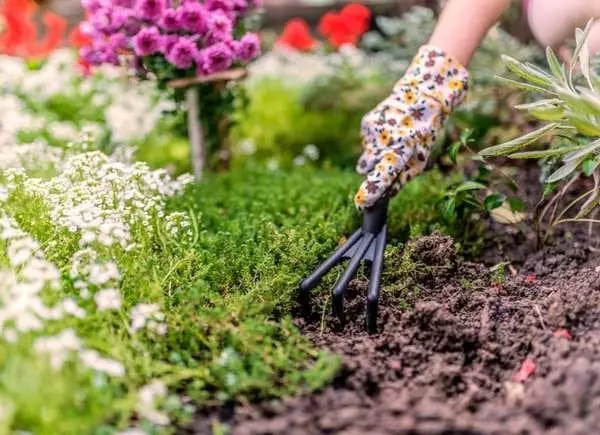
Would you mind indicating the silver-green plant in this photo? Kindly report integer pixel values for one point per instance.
(567, 102)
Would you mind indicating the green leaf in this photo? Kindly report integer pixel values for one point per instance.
(587, 207)
(545, 153)
(470, 185)
(564, 171)
(528, 72)
(555, 65)
(548, 189)
(581, 37)
(465, 136)
(545, 110)
(583, 126)
(449, 208)
(589, 166)
(516, 204)
(588, 149)
(520, 142)
(493, 201)
(525, 86)
(453, 151)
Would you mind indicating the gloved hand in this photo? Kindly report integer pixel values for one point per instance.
(398, 134)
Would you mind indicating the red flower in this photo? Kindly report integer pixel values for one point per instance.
(337, 39)
(357, 16)
(347, 26)
(20, 37)
(296, 34)
(78, 39)
(56, 27)
(328, 23)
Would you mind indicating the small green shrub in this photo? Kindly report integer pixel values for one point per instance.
(569, 105)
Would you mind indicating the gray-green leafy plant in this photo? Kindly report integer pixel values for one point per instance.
(567, 102)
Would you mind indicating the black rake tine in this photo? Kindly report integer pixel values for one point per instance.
(375, 281)
(342, 282)
(334, 259)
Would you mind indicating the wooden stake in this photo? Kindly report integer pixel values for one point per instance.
(196, 132)
(194, 124)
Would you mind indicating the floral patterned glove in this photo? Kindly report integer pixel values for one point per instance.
(398, 134)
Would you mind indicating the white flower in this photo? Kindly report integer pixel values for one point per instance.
(93, 360)
(299, 161)
(148, 316)
(272, 165)
(148, 398)
(108, 299)
(59, 347)
(70, 307)
(247, 147)
(311, 151)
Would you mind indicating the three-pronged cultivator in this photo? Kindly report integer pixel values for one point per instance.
(367, 243)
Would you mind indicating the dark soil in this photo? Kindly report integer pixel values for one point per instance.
(458, 353)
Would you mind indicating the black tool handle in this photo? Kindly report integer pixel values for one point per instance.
(375, 217)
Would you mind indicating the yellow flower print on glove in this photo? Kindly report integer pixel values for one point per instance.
(398, 134)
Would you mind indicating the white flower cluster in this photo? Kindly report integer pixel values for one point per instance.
(102, 200)
(299, 68)
(176, 223)
(148, 316)
(61, 347)
(22, 308)
(91, 273)
(131, 112)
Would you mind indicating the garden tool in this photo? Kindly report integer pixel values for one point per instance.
(367, 243)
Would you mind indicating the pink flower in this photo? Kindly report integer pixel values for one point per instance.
(217, 57)
(148, 41)
(149, 9)
(170, 20)
(248, 47)
(193, 17)
(183, 53)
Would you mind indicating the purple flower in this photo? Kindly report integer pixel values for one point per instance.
(193, 17)
(183, 53)
(217, 57)
(149, 9)
(101, 20)
(118, 41)
(125, 3)
(91, 56)
(148, 41)
(168, 43)
(120, 17)
(220, 5)
(248, 47)
(240, 6)
(220, 27)
(92, 5)
(170, 20)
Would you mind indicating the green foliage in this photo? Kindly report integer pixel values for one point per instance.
(569, 104)
(280, 126)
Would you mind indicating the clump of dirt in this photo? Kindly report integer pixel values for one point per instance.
(467, 357)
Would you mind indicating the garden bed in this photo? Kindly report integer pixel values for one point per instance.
(461, 349)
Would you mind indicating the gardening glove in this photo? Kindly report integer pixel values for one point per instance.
(398, 134)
